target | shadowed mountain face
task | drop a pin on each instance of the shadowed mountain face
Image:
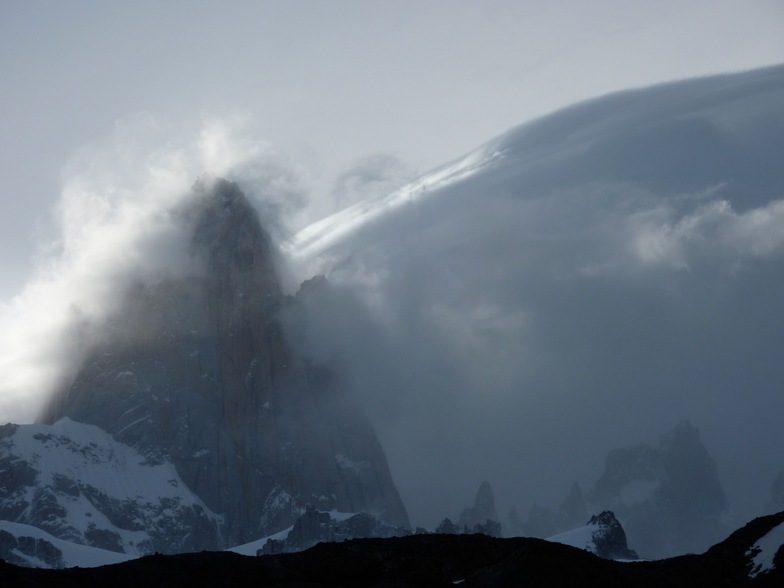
(668, 497)
(197, 370)
(581, 282)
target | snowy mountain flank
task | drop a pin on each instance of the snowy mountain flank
(193, 424)
(77, 483)
(603, 535)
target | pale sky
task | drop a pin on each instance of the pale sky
(330, 83)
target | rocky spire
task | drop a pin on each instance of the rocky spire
(198, 370)
(483, 509)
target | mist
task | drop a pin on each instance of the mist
(116, 223)
(583, 282)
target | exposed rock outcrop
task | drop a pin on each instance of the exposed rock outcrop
(609, 537)
(668, 497)
(602, 535)
(480, 518)
(483, 509)
(76, 483)
(22, 550)
(197, 370)
(314, 526)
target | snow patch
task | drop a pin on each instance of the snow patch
(87, 476)
(581, 537)
(253, 547)
(74, 555)
(764, 551)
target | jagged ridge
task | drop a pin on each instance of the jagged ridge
(198, 371)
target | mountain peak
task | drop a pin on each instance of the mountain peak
(211, 383)
(226, 230)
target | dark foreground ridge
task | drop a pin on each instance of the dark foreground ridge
(428, 560)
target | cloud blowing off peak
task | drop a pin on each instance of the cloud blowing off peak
(582, 282)
(115, 223)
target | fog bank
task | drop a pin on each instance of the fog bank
(583, 282)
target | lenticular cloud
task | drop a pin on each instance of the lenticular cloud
(582, 282)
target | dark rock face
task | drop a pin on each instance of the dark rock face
(76, 483)
(16, 550)
(668, 497)
(744, 545)
(197, 370)
(483, 509)
(447, 527)
(610, 538)
(314, 527)
(480, 518)
(603, 535)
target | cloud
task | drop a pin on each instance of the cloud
(372, 176)
(580, 283)
(713, 228)
(114, 223)
(588, 281)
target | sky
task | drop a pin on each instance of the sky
(583, 282)
(328, 84)
(110, 111)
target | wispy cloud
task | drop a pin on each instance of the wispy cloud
(115, 223)
(604, 273)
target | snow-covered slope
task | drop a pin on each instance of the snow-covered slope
(581, 537)
(763, 552)
(253, 547)
(75, 482)
(314, 526)
(603, 535)
(200, 370)
(31, 547)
